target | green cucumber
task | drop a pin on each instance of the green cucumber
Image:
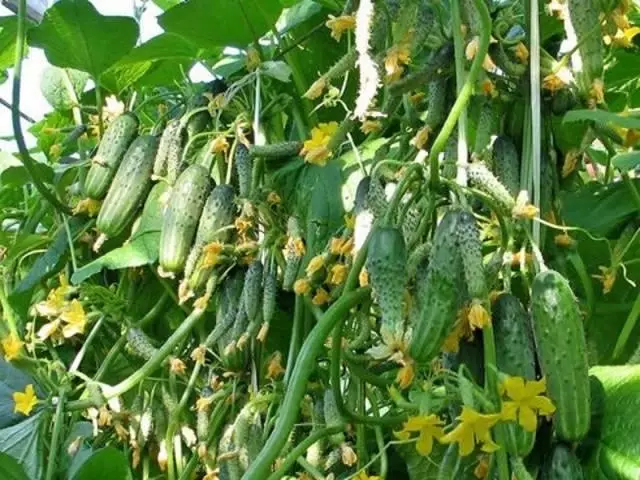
(332, 416)
(112, 148)
(269, 295)
(387, 267)
(487, 125)
(129, 187)
(515, 356)
(276, 150)
(506, 164)
(181, 217)
(562, 353)
(504, 62)
(376, 197)
(139, 344)
(436, 103)
(562, 465)
(439, 294)
(243, 164)
(253, 289)
(169, 148)
(481, 178)
(293, 261)
(470, 248)
(584, 16)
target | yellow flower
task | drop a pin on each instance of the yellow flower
(394, 62)
(253, 59)
(275, 368)
(211, 254)
(421, 137)
(478, 316)
(597, 91)
(620, 18)
(341, 24)
(472, 50)
(177, 366)
(564, 240)
(302, 286)
(608, 278)
(363, 476)
(348, 456)
(273, 198)
(203, 403)
(522, 53)
(89, 206)
(49, 329)
(428, 428)
(347, 247)
(489, 88)
(406, 374)
(371, 126)
(75, 318)
(473, 428)
(553, 83)
(349, 221)
(55, 151)
(24, 402)
(336, 245)
(526, 402)
(482, 468)
(363, 277)
(315, 149)
(294, 247)
(462, 329)
(523, 209)
(315, 264)
(219, 144)
(55, 300)
(338, 274)
(321, 297)
(198, 354)
(316, 89)
(11, 347)
(416, 98)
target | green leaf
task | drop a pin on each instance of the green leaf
(297, 14)
(613, 446)
(625, 69)
(12, 380)
(11, 469)
(626, 161)
(278, 70)
(82, 432)
(8, 31)
(142, 249)
(218, 23)
(228, 66)
(105, 464)
(23, 245)
(47, 130)
(22, 441)
(74, 34)
(598, 208)
(602, 117)
(166, 4)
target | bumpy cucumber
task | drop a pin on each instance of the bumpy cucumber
(111, 150)
(437, 103)
(387, 267)
(502, 60)
(376, 198)
(332, 416)
(292, 260)
(489, 116)
(129, 187)
(269, 295)
(276, 150)
(229, 465)
(481, 178)
(139, 344)
(253, 289)
(515, 356)
(562, 465)
(244, 168)
(181, 217)
(506, 164)
(168, 150)
(450, 157)
(439, 293)
(562, 353)
(585, 19)
(470, 247)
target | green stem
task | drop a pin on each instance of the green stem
(382, 451)
(296, 388)
(111, 356)
(55, 435)
(72, 252)
(28, 162)
(578, 265)
(463, 96)
(296, 337)
(310, 469)
(298, 451)
(85, 346)
(458, 48)
(628, 327)
(635, 195)
(100, 106)
(519, 470)
(154, 312)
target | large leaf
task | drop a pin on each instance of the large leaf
(74, 34)
(13, 172)
(12, 380)
(8, 30)
(22, 442)
(298, 13)
(11, 469)
(141, 249)
(105, 464)
(603, 118)
(625, 69)
(613, 446)
(626, 161)
(218, 23)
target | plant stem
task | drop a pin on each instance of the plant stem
(464, 95)
(55, 436)
(85, 346)
(28, 162)
(458, 46)
(296, 337)
(628, 327)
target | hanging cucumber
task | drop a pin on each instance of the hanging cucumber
(506, 164)
(584, 16)
(111, 151)
(167, 162)
(244, 168)
(481, 178)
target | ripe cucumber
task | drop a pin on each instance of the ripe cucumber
(253, 289)
(470, 248)
(562, 353)
(168, 150)
(481, 178)
(244, 168)
(129, 187)
(181, 217)
(111, 150)
(585, 19)
(506, 164)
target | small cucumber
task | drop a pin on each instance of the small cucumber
(506, 164)
(139, 344)
(169, 148)
(436, 103)
(584, 16)
(244, 168)
(129, 187)
(253, 289)
(111, 150)
(332, 416)
(562, 465)
(481, 178)
(487, 126)
(181, 217)
(470, 247)
(562, 352)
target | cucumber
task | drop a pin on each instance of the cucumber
(111, 150)
(504, 62)
(439, 294)
(169, 148)
(253, 289)
(129, 187)
(437, 103)
(506, 164)
(276, 150)
(487, 125)
(562, 353)
(269, 295)
(515, 356)
(181, 217)
(584, 16)
(562, 465)
(481, 178)
(332, 416)
(376, 197)
(243, 164)
(387, 267)
(292, 259)
(470, 248)
(139, 344)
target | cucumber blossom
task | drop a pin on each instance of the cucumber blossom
(112, 148)
(181, 217)
(562, 353)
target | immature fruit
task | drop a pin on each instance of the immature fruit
(181, 217)
(481, 178)
(439, 296)
(59, 90)
(292, 258)
(562, 465)
(139, 344)
(253, 289)
(471, 16)
(376, 198)
(506, 164)
(169, 151)
(562, 353)
(504, 62)
(332, 416)
(386, 264)
(470, 247)
(244, 168)
(229, 466)
(515, 356)
(418, 257)
(228, 301)
(269, 295)
(584, 16)
(129, 187)
(437, 103)
(450, 157)
(487, 125)
(112, 148)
